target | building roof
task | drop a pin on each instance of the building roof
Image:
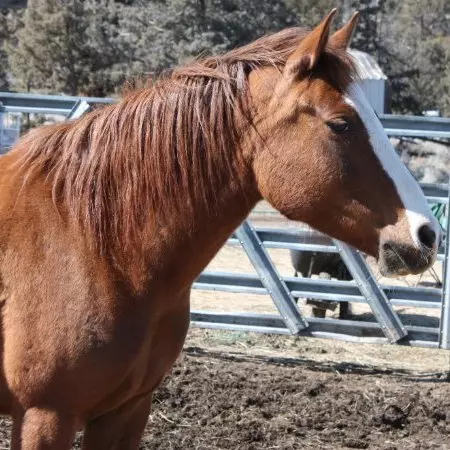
(367, 67)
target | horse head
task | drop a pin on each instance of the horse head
(326, 160)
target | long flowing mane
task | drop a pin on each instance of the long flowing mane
(161, 149)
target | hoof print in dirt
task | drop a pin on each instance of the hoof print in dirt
(394, 416)
(315, 390)
(356, 443)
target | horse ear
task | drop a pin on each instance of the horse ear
(341, 38)
(308, 53)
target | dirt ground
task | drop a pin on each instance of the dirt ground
(234, 400)
(249, 392)
(219, 401)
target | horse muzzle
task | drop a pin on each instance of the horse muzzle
(399, 258)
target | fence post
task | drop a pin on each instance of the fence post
(391, 324)
(81, 107)
(271, 279)
(444, 327)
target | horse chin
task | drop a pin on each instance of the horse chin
(388, 272)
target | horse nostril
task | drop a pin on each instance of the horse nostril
(427, 236)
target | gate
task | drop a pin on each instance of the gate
(387, 328)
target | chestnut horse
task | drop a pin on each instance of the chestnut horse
(106, 221)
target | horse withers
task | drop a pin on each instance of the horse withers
(106, 221)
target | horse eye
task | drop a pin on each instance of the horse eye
(338, 126)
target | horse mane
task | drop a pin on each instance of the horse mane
(161, 149)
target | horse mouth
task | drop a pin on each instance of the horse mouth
(397, 259)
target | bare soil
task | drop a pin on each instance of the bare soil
(250, 392)
(215, 400)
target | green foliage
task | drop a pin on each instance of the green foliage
(9, 23)
(174, 31)
(414, 50)
(66, 47)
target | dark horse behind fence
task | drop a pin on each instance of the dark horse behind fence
(331, 265)
(326, 266)
(106, 221)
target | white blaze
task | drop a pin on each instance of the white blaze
(410, 193)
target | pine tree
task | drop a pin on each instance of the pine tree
(91, 46)
(414, 50)
(65, 48)
(10, 22)
(165, 33)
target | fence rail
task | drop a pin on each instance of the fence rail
(406, 126)
(387, 326)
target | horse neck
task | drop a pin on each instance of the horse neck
(178, 250)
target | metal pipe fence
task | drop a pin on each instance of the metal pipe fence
(395, 125)
(386, 327)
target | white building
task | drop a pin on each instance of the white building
(374, 81)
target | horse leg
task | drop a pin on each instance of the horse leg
(344, 310)
(121, 429)
(296, 298)
(42, 429)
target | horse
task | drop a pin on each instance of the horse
(326, 266)
(107, 220)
